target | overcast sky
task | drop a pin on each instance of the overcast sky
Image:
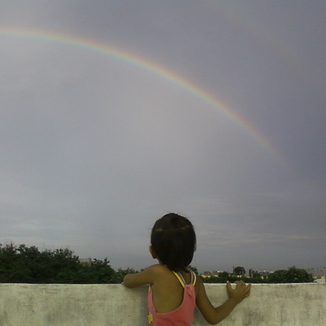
(212, 109)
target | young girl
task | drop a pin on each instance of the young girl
(174, 290)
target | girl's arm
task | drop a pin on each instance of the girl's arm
(214, 315)
(147, 276)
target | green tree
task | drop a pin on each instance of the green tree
(24, 264)
(97, 272)
(298, 275)
(292, 275)
(239, 270)
(120, 274)
(9, 264)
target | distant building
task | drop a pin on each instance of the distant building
(320, 279)
(217, 273)
(85, 261)
(208, 274)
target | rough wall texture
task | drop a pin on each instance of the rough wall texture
(110, 305)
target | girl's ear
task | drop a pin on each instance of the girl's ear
(152, 252)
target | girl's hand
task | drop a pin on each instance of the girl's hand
(240, 292)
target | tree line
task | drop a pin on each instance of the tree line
(291, 275)
(23, 264)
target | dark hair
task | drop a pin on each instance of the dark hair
(173, 240)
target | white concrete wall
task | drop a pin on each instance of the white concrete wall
(111, 305)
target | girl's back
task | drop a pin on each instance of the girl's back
(171, 300)
(167, 290)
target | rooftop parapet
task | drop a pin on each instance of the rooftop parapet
(113, 304)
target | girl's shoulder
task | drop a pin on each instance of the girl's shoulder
(149, 275)
(157, 268)
(161, 273)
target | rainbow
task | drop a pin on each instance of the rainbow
(151, 67)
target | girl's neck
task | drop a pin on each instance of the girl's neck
(185, 269)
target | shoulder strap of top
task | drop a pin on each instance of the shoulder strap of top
(195, 278)
(182, 280)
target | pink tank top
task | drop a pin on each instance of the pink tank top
(183, 315)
